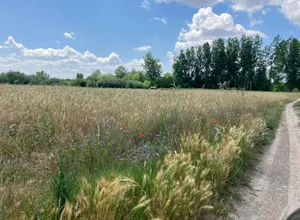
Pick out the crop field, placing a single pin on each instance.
(85, 153)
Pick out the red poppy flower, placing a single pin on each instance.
(214, 121)
(142, 135)
(123, 127)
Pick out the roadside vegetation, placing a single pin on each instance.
(86, 153)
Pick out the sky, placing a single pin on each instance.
(64, 37)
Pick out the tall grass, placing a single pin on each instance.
(128, 154)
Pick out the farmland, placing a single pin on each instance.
(86, 153)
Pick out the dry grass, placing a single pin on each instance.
(107, 135)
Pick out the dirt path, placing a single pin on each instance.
(274, 190)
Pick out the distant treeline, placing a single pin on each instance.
(239, 63)
(132, 79)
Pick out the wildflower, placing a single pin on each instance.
(214, 121)
(123, 128)
(163, 141)
(174, 126)
(218, 157)
(81, 146)
(158, 135)
(141, 135)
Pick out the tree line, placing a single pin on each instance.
(237, 63)
(242, 63)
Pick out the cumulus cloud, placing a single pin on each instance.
(143, 48)
(207, 26)
(62, 62)
(291, 10)
(70, 35)
(135, 64)
(162, 20)
(193, 3)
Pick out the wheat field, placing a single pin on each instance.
(84, 153)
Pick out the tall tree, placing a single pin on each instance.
(260, 56)
(180, 69)
(79, 76)
(247, 62)
(206, 64)
(233, 66)
(191, 62)
(293, 64)
(120, 72)
(279, 59)
(218, 62)
(152, 67)
(199, 82)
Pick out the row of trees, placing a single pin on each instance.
(240, 63)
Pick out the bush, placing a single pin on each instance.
(295, 90)
(281, 87)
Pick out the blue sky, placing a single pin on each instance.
(64, 37)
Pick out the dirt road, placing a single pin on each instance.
(274, 190)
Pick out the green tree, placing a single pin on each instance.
(42, 77)
(206, 65)
(180, 70)
(152, 67)
(218, 62)
(120, 72)
(166, 81)
(191, 66)
(247, 62)
(79, 76)
(233, 65)
(293, 64)
(198, 81)
(278, 58)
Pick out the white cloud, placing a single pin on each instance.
(143, 48)
(291, 9)
(193, 3)
(145, 4)
(135, 64)
(253, 5)
(63, 62)
(266, 11)
(207, 26)
(112, 58)
(162, 20)
(12, 43)
(70, 35)
(254, 22)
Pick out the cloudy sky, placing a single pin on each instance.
(64, 37)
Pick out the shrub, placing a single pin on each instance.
(295, 90)
(281, 87)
